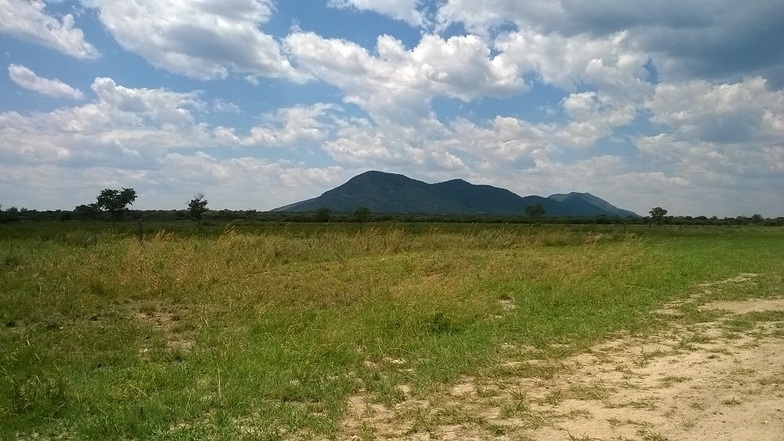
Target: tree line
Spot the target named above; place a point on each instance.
(115, 205)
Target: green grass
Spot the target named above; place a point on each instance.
(255, 333)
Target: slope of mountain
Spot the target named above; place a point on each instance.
(598, 203)
(393, 193)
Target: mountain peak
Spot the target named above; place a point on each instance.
(371, 174)
(562, 196)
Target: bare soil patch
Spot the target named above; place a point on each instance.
(168, 321)
(747, 306)
(708, 381)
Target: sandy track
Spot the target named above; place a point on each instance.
(708, 381)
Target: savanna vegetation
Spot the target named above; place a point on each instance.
(196, 209)
(263, 330)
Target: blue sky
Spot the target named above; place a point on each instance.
(261, 103)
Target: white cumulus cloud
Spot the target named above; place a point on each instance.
(405, 10)
(28, 20)
(286, 127)
(27, 79)
(725, 112)
(206, 39)
(686, 38)
(398, 84)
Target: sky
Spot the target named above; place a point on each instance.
(261, 103)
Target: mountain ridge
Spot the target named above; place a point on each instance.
(383, 192)
(593, 200)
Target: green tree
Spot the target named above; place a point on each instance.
(197, 207)
(362, 214)
(323, 214)
(115, 202)
(657, 214)
(535, 212)
(742, 220)
(757, 218)
(11, 215)
(86, 212)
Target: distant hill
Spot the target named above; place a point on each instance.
(393, 193)
(591, 202)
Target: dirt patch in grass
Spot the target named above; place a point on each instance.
(168, 321)
(688, 382)
(740, 278)
(746, 306)
(16, 326)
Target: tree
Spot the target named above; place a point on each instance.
(362, 214)
(86, 212)
(12, 215)
(757, 218)
(116, 202)
(535, 212)
(323, 214)
(197, 206)
(657, 214)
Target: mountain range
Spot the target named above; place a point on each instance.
(382, 192)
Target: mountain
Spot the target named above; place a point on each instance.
(591, 202)
(393, 193)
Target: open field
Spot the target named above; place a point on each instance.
(392, 331)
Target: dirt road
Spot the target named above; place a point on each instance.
(721, 379)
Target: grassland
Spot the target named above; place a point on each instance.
(264, 332)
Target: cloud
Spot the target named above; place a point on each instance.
(611, 63)
(236, 183)
(503, 145)
(398, 84)
(724, 138)
(713, 164)
(404, 10)
(718, 43)
(685, 38)
(286, 127)
(482, 17)
(205, 40)
(121, 127)
(593, 117)
(374, 147)
(503, 140)
(744, 111)
(155, 141)
(159, 107)
(507, 138)
(606, 76)
(29, 21)
(242, 182)
(222, 106)
(27, 79)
